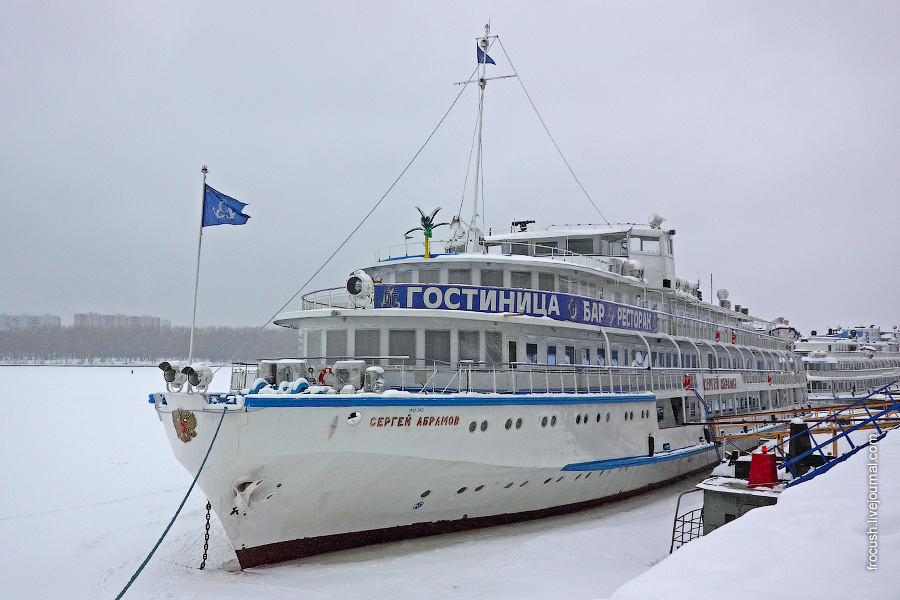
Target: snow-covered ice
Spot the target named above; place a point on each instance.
(91, 483)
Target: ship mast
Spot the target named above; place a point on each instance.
(473, 241)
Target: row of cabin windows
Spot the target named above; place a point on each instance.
(403, 343)
(587, 245)
(545, 282)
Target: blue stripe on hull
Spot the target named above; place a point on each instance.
(634, 461)
(325, 400)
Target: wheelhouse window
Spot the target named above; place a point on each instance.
(403, 277)
(401, 342)
(580, 245)
(546, 247)
(492, 278)
(469, 345)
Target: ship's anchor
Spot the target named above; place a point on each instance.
(206, 536)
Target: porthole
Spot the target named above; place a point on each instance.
(508, 423)
(560, 479)
(544, 422)
(588, 475)
(626, 415)
(425, 493)
(484, 425)
(598, 417)
(472, 426)
(586, 417)
(553, 421)
(607, 417)
(518, 423)
(546, 481)
(578, 420)
(479, 488)
(461, 490)
(508, 485)
(524, 483)
(577, 477)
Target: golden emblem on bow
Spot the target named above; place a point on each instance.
(185, 423)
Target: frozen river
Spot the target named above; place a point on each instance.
(91, 483)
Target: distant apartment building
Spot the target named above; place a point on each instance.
(8, 322)
(127, 321)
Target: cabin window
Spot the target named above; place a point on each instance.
(585, 356)
(459, 276)
(569, 285)
(367, 343)
(647, 245)
(513, 351)
(614, 358)
(336, 343)
(314, 344)
(669, 244)
(493, 346)
(401, 342)
(551, 355)
(437, 346)
(531, 356)
(570, 355)
(491, 278)
(469, 345)
(580, 245)
(545, 247)
(429, 276)
(545, 282)
(668, 360)
(520, 279)
(403, 277)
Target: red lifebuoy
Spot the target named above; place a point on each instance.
(733, 337)
(322, 374)
(687, 382)
(718, 336)
(770, 380)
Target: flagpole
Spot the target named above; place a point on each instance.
(204, 170)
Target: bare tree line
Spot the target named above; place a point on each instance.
(86, 345)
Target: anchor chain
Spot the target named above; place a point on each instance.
(206, 536)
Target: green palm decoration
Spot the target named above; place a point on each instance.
(427, 227)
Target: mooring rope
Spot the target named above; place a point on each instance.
(177, 512)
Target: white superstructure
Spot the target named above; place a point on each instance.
(486, 380)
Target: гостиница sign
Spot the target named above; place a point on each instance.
(557, 306)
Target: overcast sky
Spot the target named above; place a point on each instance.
(766, 133)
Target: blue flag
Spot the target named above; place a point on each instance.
(484, 58)
(219, 209)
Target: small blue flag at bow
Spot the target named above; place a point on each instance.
(219, 209)
(483, 57)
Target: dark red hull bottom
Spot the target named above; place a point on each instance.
(301, 548)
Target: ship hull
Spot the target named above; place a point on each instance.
(291, 477)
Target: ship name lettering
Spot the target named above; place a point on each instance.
(553, 308)
(403, 421)
(409, 295)
(729, 383)
(437, 421)
(469, 293)
(488, 300)
(432, 297)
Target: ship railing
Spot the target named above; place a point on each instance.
(434, 376)
(328, 298)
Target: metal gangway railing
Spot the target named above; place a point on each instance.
(856, 416)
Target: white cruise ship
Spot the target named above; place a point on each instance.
(848, 364)
(486, 380)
